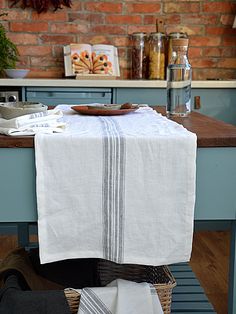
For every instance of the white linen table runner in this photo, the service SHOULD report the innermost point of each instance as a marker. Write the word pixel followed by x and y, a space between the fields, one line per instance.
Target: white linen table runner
pixel 120 188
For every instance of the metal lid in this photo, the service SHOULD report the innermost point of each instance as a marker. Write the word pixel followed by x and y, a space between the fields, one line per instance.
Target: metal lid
pixel 139 34
pixel 157 34
pixel 178 35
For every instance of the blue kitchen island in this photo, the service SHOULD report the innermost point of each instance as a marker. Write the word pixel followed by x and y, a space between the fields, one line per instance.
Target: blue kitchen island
pixel 215 192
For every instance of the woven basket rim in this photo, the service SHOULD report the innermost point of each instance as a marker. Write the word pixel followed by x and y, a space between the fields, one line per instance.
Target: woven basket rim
pixel 168 285
pixel 164 291
pixel 172 282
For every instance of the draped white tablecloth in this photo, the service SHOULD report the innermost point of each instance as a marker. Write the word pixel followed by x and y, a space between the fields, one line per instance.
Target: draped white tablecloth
pixel 120 188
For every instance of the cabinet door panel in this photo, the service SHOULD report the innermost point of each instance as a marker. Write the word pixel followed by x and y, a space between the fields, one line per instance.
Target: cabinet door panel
pixel 217 103
pixel 151 96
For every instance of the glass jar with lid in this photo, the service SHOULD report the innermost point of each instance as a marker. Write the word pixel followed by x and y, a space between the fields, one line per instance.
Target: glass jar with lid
pixel 157 56
pixel 172 36
pixel 139 56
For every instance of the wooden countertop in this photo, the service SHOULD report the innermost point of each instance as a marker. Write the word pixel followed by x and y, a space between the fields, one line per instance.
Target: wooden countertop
pixel 210 132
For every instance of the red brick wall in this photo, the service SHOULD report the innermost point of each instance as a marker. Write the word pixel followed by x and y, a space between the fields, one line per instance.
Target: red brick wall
pixel 208 23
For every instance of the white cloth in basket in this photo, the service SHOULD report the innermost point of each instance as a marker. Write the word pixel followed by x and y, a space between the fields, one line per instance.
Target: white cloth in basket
pixel 120 297
pixel 121 188
pixel 30 124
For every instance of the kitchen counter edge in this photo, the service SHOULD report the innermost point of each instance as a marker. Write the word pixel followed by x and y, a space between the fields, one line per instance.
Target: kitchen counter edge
pixel 210 132
pixel 108 83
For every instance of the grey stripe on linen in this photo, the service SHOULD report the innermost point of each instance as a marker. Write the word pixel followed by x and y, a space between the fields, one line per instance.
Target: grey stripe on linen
pixel 90 303
pixel 153 290
pixel 113 189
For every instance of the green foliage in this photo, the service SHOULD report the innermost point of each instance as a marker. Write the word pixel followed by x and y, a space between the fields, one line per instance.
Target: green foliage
pixel 8 51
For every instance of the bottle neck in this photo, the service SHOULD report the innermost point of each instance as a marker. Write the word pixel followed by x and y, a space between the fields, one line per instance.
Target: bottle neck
pixel 179 69
pixel 179 55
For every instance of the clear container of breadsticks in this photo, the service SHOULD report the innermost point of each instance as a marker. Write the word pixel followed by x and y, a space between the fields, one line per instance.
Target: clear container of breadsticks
pixel 157 64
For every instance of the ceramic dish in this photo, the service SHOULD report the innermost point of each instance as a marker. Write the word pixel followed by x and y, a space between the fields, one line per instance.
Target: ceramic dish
pixel 101 112
pixel 12 110
pixel 104 107
pixel 16 73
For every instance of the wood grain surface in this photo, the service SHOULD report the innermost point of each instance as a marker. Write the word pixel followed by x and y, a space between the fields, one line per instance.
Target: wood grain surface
pixel 210 132
pixel 210 263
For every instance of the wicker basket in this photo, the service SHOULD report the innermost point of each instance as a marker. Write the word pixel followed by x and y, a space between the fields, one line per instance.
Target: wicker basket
pixel 159 276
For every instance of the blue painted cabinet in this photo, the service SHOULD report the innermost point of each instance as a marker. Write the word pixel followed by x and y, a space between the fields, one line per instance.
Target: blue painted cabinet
pixel 68 95
pixel 215 184
pixel 151 96
pixel 216 103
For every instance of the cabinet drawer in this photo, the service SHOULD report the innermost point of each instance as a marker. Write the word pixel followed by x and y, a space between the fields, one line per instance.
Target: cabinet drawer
pixel 151 96
pixel 55 96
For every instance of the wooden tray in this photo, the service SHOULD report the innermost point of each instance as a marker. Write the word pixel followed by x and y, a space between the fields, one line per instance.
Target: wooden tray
pixel 101 112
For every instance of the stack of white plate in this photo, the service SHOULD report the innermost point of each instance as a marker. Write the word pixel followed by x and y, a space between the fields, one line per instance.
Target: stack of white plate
pixel 12 110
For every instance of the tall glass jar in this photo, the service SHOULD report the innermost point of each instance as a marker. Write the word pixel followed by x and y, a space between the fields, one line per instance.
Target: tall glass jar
pixel 139 56
pixel 172 36
pixel 157 56
pixel 179 76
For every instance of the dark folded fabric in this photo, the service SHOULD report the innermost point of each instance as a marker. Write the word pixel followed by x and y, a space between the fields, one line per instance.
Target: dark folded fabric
pixel 18 261
pixel 13 300
pixel 76 273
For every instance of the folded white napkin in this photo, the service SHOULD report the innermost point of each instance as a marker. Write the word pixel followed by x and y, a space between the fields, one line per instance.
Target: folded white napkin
pixel 30 124
pixel 120 297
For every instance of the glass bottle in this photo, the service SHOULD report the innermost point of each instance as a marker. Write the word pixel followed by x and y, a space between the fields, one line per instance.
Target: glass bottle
pixel 157 56
pixel 179 75
pixel 139 56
